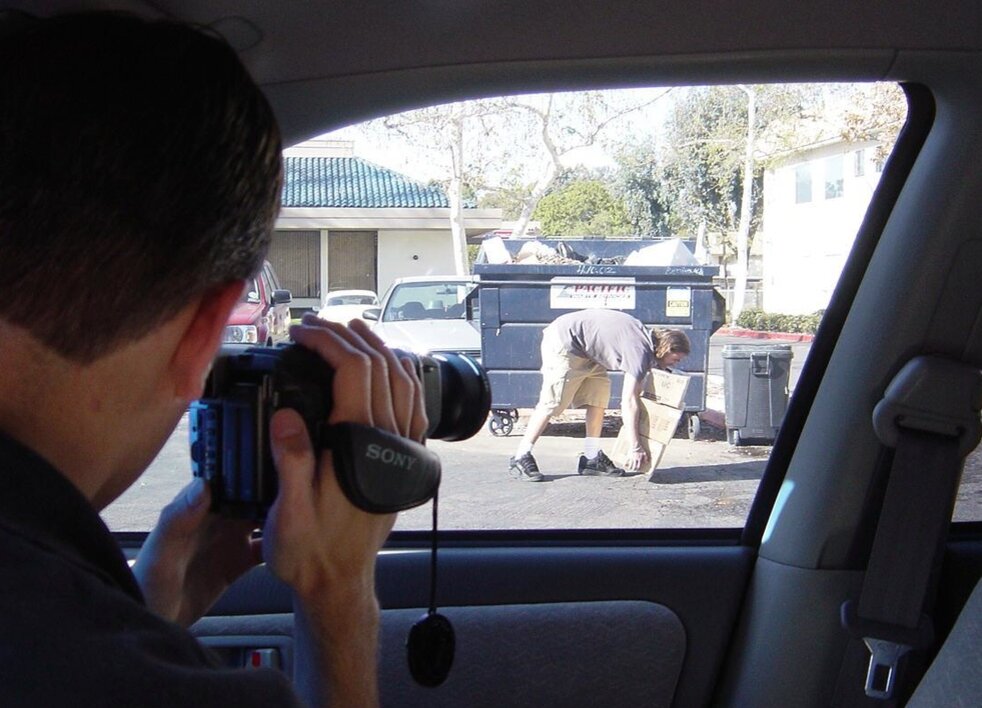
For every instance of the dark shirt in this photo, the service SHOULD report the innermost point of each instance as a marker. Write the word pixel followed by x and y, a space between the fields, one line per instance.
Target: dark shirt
pixel 614 339
pixel 74 629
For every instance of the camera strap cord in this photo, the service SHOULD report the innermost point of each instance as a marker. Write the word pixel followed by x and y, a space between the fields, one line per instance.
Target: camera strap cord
pixel 433 548
pixel 431 643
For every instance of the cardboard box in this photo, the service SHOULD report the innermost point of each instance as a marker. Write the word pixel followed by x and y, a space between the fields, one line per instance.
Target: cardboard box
pixel 667 388
pixel 658 418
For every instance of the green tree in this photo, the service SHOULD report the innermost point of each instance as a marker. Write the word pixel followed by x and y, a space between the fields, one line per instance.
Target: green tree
pixel 555 127
pixel 582 208
pixel 638 184
pixel 704 174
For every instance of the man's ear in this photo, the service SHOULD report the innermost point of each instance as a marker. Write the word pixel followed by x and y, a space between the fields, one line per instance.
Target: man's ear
pixel 201 339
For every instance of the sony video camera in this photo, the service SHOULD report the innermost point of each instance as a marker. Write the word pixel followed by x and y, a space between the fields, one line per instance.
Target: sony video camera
pixel 378 471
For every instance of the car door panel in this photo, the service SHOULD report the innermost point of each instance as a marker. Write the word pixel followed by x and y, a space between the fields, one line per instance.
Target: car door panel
pixel 572 606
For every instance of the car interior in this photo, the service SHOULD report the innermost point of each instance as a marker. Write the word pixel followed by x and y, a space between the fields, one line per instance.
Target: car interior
pixel 848 551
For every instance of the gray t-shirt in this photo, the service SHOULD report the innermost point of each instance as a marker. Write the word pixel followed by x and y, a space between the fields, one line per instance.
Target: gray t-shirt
pixel 612 338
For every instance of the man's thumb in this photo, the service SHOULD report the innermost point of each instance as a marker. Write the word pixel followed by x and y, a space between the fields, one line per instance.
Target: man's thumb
pixel 293 454
pixel 187 510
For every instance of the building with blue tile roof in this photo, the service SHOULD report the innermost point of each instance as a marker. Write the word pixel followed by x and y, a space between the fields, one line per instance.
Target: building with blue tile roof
pixel 346 223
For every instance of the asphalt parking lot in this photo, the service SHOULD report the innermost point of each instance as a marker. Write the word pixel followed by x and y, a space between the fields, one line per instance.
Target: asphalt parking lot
pixel 701 483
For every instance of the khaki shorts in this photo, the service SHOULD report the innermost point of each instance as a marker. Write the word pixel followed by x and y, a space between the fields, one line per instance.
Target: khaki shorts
pixel 569 380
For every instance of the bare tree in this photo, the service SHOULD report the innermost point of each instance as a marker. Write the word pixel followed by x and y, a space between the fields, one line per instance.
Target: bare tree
pixel 449 134
pixel 476 144
pixel 565 123
pixel 746 196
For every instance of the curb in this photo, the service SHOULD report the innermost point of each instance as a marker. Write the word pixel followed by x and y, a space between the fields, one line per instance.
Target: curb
pixel 754 334
pixel 715 418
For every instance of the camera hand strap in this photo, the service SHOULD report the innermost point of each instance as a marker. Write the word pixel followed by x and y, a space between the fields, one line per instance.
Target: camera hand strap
pixel 381 472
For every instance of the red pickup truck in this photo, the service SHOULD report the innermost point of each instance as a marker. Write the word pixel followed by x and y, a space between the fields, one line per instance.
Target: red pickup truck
pixel 262 315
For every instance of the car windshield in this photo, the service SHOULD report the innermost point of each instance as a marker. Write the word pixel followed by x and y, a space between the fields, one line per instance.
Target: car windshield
pixel 351 300
pixel 427 301
pixel 251 292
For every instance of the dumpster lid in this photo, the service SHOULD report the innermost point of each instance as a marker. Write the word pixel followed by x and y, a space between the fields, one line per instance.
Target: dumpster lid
pixel 601 257
pixel 701 276
pixel 608 251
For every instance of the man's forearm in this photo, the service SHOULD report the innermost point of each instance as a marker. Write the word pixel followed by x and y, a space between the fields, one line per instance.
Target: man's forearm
pixel 336 641
pixel 630 414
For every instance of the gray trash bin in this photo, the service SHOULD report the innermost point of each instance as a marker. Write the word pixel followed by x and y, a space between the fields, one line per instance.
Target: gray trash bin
pixel 755 385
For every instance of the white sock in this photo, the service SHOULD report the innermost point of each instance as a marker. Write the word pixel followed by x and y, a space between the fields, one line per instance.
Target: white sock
pixel 523 448
pixel 591 447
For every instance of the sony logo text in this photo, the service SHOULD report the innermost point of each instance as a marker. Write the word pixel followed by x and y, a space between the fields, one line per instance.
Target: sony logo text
pixel 390 457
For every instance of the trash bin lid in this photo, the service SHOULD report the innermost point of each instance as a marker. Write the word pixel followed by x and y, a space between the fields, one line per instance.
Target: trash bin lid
pixel 745 351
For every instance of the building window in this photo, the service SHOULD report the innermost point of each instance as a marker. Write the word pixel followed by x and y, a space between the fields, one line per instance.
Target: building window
pixel 833 177
pixel 802 184
pixel 859 166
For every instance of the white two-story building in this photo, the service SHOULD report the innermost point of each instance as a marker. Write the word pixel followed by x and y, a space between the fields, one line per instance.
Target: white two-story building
pixel 814 202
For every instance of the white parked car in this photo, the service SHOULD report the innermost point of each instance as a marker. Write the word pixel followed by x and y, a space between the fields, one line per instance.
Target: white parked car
pixel 430 314
pixel 346 305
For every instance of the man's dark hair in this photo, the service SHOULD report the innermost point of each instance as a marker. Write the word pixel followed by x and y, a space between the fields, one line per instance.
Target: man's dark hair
pixel 140 166
pixel 670 340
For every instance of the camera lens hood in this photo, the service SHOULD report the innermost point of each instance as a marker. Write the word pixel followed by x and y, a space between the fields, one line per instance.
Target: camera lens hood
pixel 466 397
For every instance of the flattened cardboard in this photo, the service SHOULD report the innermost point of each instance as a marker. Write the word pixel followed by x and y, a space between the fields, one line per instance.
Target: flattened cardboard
pixel 657 423
pixel 661 410
pixel 667 388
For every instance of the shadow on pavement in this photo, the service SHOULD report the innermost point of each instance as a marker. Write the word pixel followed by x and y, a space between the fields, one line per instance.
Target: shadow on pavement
pixel 576 429
pixel 611 426
pixel 736 471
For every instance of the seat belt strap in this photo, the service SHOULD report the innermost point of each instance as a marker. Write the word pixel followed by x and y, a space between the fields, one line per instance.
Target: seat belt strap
pixel 930 415
pixel 916 513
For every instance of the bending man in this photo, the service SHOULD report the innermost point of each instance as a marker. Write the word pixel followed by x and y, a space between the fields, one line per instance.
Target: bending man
pixel 578 349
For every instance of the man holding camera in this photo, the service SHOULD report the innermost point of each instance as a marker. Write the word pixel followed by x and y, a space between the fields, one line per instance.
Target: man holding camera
pixel 140 178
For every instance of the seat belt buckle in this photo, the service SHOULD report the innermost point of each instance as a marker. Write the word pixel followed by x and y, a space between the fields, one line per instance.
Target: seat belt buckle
pixel 887 644
pixel 881 676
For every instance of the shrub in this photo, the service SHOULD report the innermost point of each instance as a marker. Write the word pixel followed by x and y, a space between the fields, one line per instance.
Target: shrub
pixel 776 322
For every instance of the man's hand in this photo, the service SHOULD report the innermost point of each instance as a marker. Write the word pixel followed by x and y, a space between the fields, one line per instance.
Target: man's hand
pixel 192 556
pixel 636 460
pixel 631 417
pixel 315 540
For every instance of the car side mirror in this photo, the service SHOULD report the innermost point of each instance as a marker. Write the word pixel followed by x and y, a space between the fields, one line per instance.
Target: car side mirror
pixel 281 297
pixel 372 314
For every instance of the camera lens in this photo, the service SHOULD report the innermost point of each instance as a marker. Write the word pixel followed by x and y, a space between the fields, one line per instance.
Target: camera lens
pixel 463 396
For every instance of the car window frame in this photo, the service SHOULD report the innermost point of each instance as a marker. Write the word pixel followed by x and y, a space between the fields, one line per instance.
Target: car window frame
pixel 920 118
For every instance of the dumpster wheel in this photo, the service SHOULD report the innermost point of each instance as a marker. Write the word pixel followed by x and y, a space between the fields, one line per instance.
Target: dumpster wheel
pixel 694 426
pixel 502 422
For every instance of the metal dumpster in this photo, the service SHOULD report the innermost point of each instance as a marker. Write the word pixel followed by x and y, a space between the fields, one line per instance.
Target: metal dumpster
pixel 517 301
